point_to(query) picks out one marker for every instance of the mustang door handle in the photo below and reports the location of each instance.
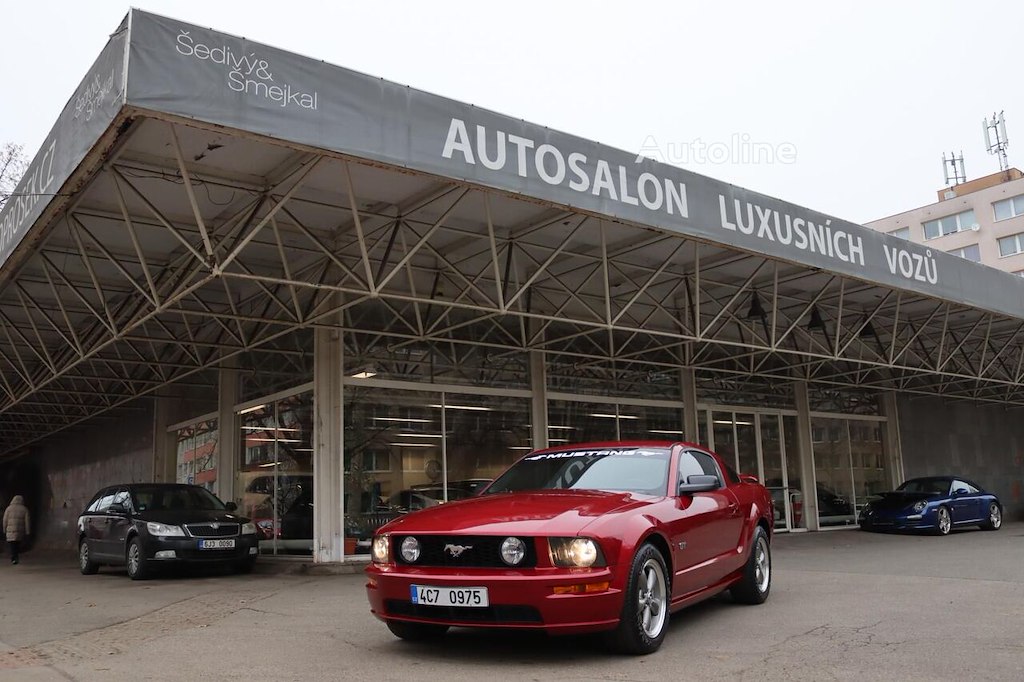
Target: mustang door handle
(734, 509)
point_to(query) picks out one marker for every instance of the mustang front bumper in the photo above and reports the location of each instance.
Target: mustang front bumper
(517, 599)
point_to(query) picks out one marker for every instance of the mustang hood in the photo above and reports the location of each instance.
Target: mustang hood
(559, 512)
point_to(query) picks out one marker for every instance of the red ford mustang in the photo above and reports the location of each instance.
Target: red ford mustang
(583, 538)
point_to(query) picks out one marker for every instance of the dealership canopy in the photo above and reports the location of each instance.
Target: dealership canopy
(205, 197)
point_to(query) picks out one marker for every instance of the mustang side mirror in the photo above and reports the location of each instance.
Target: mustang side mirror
(698, 483)
(748, 478)
(231, 506)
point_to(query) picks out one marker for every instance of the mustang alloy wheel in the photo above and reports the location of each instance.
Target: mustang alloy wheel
(995, 518)
(943, 522)
(644, 617)
(756, 583)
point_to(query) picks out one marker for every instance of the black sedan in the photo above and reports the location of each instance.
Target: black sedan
(936, 503)
(144, 525)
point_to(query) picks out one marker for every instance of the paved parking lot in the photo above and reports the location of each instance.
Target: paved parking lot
(845, 605)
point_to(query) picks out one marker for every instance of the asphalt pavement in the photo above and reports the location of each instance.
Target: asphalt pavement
(845, 605)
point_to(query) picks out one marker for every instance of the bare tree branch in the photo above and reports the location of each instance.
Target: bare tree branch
(13, 163)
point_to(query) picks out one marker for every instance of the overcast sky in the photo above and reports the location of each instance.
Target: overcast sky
(855, 102)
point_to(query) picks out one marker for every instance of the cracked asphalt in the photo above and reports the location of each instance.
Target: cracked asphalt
(845, 605)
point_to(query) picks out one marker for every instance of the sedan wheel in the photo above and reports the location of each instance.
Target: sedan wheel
(644, 617)
(995, 517)
(943, 523)
(138, 566)
(85, 563)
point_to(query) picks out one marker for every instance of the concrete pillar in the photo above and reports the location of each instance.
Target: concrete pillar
(228, 452)
(891, 438)
(165, 445)
(805, 450)
(328, 432)
(691, 418)
(538, 399)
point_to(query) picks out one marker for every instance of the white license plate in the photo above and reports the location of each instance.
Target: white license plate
(228, 543)
(449, 596)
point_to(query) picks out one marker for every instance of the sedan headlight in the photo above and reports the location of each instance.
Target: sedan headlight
(164, 530)
(513, 550)
(410, 549)
(248, 529)
(575, 552)
(919, 506)
(382, 549)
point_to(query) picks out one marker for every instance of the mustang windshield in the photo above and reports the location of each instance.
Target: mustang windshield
(637, 470)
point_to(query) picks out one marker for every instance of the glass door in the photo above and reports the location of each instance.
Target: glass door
(755, 443)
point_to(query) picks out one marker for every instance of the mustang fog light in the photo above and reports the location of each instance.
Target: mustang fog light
(919, 506)
(382, 549)
(575, 552)
(410, 549)
(512, 551)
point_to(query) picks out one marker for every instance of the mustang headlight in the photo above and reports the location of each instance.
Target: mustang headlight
(382, 549)
(512, 551)
(919, 506)
(575, 552)
(248, 529)
(164, 530)
(410, 549)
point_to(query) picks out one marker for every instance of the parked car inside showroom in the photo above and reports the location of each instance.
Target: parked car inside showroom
(585, 538)
(934, 503)
(145, 525)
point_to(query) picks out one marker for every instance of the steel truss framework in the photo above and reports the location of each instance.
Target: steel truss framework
(195, 245)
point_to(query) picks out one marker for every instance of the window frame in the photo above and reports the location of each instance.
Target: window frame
(1018, 238)
(959, 252)
(960, 224)
(1012, 202)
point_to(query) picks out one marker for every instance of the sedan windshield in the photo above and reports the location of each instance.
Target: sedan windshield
(638, 470)
(174, 497)
(928, 486)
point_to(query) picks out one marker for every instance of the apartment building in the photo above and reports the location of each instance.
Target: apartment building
(981, 220)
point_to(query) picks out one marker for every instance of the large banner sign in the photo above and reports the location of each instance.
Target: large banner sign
(84, 119)
(199, 73)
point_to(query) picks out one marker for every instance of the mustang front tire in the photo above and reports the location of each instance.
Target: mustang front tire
(644, 617)
(756, 583)
(416, 632)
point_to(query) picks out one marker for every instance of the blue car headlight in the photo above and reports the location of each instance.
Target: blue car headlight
(919, 506)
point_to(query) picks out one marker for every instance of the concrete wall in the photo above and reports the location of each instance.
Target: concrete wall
(61, 474)
(982, 442)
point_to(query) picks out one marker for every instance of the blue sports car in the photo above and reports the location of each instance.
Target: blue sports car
(936, 503)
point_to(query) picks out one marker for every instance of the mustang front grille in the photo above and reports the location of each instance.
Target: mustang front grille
(462, 551)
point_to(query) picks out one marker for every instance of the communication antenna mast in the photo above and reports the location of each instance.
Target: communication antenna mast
(953, 168)
(996, 140)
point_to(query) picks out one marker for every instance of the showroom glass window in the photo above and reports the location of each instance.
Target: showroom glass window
(197, 454)
(407, 450)
(275, 475)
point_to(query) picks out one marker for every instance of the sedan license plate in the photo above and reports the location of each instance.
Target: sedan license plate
(430, 595)
(228, 543)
